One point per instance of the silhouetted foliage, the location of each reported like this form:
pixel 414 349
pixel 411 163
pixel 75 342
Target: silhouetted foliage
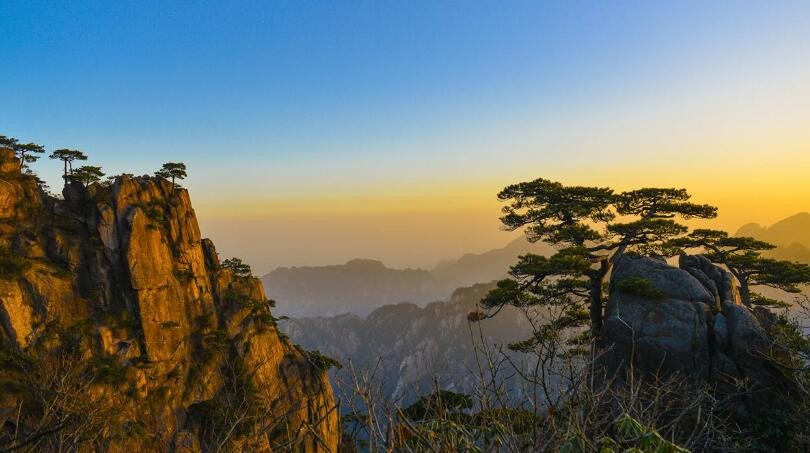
pixel 321 361
pixel 239 268
pixel 7 142
pixel 25 152
pixel 172 171
pixel 87 174
pixel 581 220
pixel 68 156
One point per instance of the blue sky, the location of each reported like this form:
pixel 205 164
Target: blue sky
pixel 339 101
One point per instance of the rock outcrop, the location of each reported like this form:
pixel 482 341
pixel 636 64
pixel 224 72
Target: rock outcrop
pixel 689 320
pixel 123 268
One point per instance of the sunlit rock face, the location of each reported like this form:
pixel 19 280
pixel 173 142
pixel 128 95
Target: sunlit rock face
pixel 124 266
pixel 689 321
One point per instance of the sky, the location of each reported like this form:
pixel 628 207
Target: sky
pixel 316 132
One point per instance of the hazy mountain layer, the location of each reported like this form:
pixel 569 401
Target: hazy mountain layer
pixel 791 235
pixel 410 346
pixel 360 286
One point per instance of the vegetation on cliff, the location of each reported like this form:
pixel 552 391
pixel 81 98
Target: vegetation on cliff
pixel 121 330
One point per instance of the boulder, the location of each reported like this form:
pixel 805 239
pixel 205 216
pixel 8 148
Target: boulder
pixel 689 320
pixel 667 333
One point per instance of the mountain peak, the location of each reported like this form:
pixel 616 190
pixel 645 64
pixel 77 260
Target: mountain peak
pixel 125 261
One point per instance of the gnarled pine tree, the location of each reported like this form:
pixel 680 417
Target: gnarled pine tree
pixel 580 220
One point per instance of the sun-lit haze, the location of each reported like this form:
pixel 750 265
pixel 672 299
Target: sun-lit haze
pixel 317 132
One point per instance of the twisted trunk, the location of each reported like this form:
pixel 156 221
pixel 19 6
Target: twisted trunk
pixel 596 278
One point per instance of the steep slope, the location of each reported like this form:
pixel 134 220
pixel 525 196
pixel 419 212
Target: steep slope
pixel 410 346
pixel 360 286
pixel 114 283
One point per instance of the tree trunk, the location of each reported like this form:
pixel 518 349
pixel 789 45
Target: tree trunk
pixel 596 277
pixel 745 292
pixel 596 305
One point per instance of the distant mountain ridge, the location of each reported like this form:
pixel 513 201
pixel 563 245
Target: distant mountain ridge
pixel 358 286
pixel 791 235
pixel 361 285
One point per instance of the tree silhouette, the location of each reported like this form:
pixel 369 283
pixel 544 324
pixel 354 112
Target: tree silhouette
pixel 743 258
pixel 173 171
pixel 579 219
pixel 87 174
pixel 27 153
pixel 68 156
pixel 7 142
pixel 239 268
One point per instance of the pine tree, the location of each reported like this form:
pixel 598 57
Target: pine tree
pixel 87 174
pixel 580 219
pixel 68 156
pixel 26 152
pixel 173 171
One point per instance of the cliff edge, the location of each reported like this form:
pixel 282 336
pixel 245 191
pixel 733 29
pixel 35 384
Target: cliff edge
pixel 112 294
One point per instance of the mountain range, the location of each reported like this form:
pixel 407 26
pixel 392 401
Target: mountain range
pixel 410 349
pixel 361 285
pixel 790 235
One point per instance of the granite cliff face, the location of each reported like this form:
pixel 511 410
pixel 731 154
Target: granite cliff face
pixel 119 276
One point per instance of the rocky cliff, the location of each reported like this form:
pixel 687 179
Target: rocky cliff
pixel 114 285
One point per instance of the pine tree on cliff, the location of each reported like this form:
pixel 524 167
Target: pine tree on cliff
pixel 238 267
pixel 7 142
pixel 87 174
pixel 68 156
pixel 173 171
pixel 26 152
pixel 578 219
pixel 743 258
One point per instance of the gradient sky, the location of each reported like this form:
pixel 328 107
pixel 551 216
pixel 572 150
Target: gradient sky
pixel 316 132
